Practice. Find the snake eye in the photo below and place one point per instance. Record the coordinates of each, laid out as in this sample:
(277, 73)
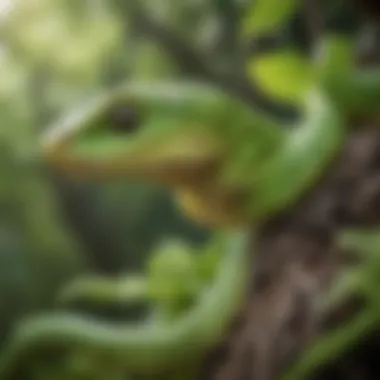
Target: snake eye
(123, 119)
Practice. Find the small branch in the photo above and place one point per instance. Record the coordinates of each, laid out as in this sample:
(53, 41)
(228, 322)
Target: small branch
(314, 19)
(229, 15)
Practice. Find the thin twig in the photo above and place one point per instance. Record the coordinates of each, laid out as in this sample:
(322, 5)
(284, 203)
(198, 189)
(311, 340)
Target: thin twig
(229, 44)
(314, 19)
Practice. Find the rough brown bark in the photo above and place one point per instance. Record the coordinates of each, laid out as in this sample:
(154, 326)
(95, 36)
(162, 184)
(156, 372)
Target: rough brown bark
(296, 259)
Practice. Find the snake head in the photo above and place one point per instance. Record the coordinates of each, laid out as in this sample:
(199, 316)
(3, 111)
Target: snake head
(154, 132)
(191, 138)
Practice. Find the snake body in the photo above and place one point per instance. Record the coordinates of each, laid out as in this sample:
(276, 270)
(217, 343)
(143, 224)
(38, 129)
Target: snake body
(284, 164)
(148, 348)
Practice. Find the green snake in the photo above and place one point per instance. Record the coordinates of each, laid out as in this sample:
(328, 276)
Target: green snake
(175, 274)
(227, 164)
(142, 348)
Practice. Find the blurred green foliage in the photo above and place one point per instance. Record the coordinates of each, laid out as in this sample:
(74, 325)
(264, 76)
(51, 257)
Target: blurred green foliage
(54, 53)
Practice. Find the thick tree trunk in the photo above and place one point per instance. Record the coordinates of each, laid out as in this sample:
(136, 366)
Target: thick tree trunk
(295, 261)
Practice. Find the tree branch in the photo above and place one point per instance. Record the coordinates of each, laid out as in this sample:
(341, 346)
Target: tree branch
(193, 62)
(314, 19)
(229, 15)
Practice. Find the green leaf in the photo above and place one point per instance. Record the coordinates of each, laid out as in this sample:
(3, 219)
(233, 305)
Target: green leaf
(335, 61)
(283, 75)
(266, 15)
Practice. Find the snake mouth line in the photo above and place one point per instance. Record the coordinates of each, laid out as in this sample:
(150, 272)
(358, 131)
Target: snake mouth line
(189, 159)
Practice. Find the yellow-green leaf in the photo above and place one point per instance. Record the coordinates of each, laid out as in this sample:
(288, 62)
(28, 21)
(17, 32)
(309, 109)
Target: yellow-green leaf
(266, 15)
(283, 75)
(336, 57)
